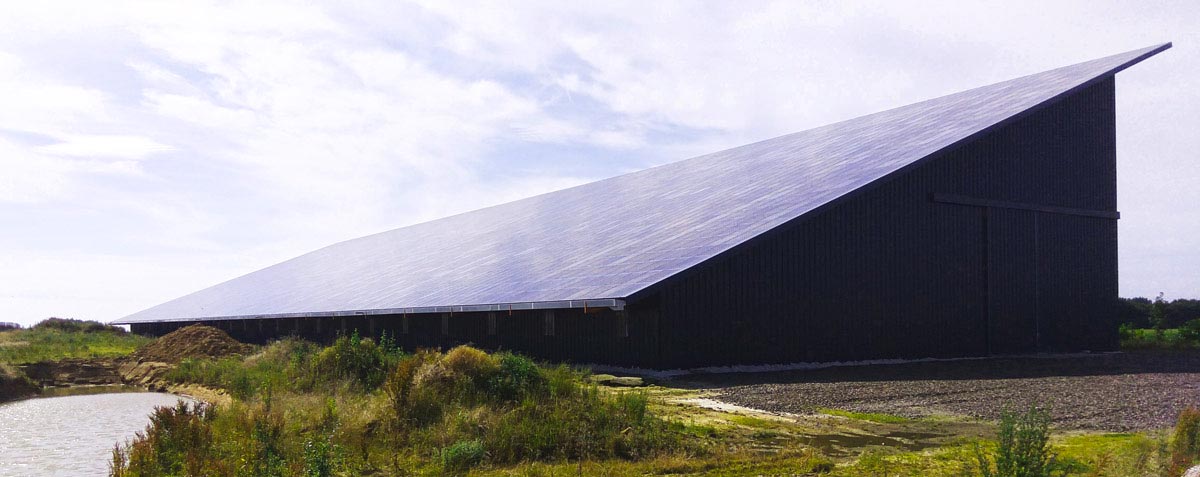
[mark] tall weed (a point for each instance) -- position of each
(1185, 443)
(1022, 448)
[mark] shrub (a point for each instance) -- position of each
(266, 446)
(471, 364)
(1022, 448)
(409, 403)
(78, 326)
(434, 408)
(462, 456)
(1158, 314)
(1190, 331)
(320, 456)
(356, 359)
(1185, 444)
(519, 411)
(518, 376)
(176, 442)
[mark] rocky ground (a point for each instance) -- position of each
(1110, 392)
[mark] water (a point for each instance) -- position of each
(71, 435)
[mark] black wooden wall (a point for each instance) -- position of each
(1005, 244)
(592, 336)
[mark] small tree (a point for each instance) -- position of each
(1158, 315)
(1022, 447)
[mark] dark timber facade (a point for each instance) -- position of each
(1004, 242)
(1007, 244)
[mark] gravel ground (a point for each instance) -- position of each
(1112, 392)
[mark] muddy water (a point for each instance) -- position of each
(71, 435)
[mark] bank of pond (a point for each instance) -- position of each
(366, 407)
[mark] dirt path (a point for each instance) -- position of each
(1111, 392)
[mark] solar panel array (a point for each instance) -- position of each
(614, 237)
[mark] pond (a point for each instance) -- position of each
(74, 434)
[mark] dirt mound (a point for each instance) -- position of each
(195, 341)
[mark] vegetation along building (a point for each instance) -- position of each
(979, 223)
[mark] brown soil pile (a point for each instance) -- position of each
(195, 341)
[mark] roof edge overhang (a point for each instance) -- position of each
(611, 303)
(685, 272)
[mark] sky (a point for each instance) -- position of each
(148, 150)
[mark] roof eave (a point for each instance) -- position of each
(611, 303)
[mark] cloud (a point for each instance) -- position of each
(249, 132)
(118, 146)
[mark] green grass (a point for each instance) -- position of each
(356, 407)
(1115, 454)
(1151, 339)
(1184, 337)
(304, 409)
(753, 422)
(865, 416)
(50, 344)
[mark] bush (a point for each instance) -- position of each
(520, 411)
(78, 326)
(455, 411)
(320, 456)
(471, 364)
(1190, 331)
(1185, 444)
(1150, 339)
(518, 377)
(1022, 448)
(462, 456)
(356, 359)
(1158, 313)
(293, 365)
(176, 442)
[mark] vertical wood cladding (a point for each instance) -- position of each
(889, 273)
(597, 335)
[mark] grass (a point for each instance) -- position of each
(865, 416)
(1152, 339)
(304, 409)
(47, 343)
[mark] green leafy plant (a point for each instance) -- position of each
(320, 456)
(1158, 314)
(1185, 443)
(462, 456)
(1190, 330)
(1022, 447)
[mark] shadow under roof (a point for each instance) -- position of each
(612, 238)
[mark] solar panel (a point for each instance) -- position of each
(612, 238)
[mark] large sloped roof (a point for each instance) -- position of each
(612, 238)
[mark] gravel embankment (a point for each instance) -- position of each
(1113, 392)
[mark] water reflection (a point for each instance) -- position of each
(71, 435)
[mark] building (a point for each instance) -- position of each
(979, 223)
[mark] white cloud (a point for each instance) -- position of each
(250, 132)
(34, 104)
(95, 145)
(28, 178)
